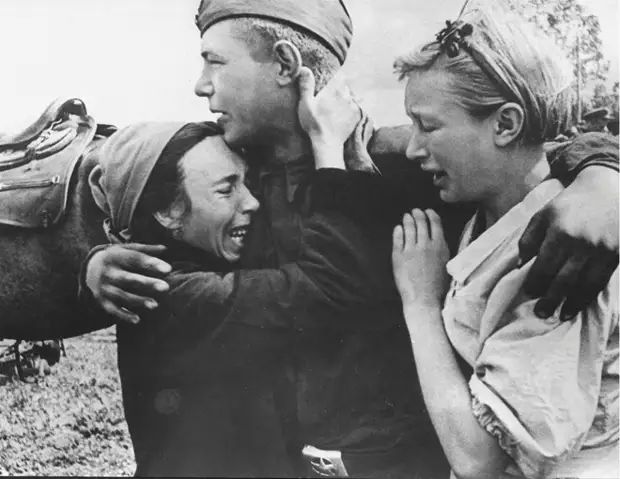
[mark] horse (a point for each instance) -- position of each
(49, 222)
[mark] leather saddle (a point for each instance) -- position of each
(36, 164)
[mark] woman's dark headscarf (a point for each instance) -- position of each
(126, 162)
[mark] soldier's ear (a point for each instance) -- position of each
(289, 59)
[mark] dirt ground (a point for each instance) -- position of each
(70, 422)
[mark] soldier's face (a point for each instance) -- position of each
(597, 124)
(240, 88)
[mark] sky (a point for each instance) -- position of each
(137, 60)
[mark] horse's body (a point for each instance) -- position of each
(39, 267)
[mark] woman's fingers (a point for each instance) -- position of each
(410, 231)
(418, 228)
(138, 259)
(419, 264)
(421, 225)
(306, 84)
(135, 283)
(398, 237)
(146, 248)
(434, 223)
(121, 314)
(124, 299)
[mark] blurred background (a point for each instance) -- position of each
(133, 60)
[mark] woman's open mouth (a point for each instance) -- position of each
(438, 177)
(237, 234)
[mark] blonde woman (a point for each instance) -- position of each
(538, 398)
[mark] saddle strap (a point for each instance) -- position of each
(54, 111)
(39, 190)
(56, 137)
(18, 184)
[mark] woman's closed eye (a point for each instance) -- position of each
(423, 125)
(228, 185)
(226, 190)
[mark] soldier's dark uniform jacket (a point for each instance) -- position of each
(309, 346)
(348, 374)
(236, 370)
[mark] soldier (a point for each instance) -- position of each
(596, 120)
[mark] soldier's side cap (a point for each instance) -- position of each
(602, 113)
(328, 20)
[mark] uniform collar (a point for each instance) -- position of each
(295, 172)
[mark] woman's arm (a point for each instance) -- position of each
(338, 269)
(419, 257)
(328, 117)
(123, 280)
(471, 451)
(534, 395)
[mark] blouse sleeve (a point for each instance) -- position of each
(536, 383)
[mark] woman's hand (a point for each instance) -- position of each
(124, 279)
(329, 117)
(419, 257)
(576, 239)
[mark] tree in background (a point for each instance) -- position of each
(577, 33)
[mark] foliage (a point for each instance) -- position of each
(568, 22)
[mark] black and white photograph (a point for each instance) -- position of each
(303, 239)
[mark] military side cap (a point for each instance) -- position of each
(328, 20)
(598, 113)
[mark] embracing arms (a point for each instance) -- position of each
(575, 238)
(337, 268)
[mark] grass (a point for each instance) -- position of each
(70, 422)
